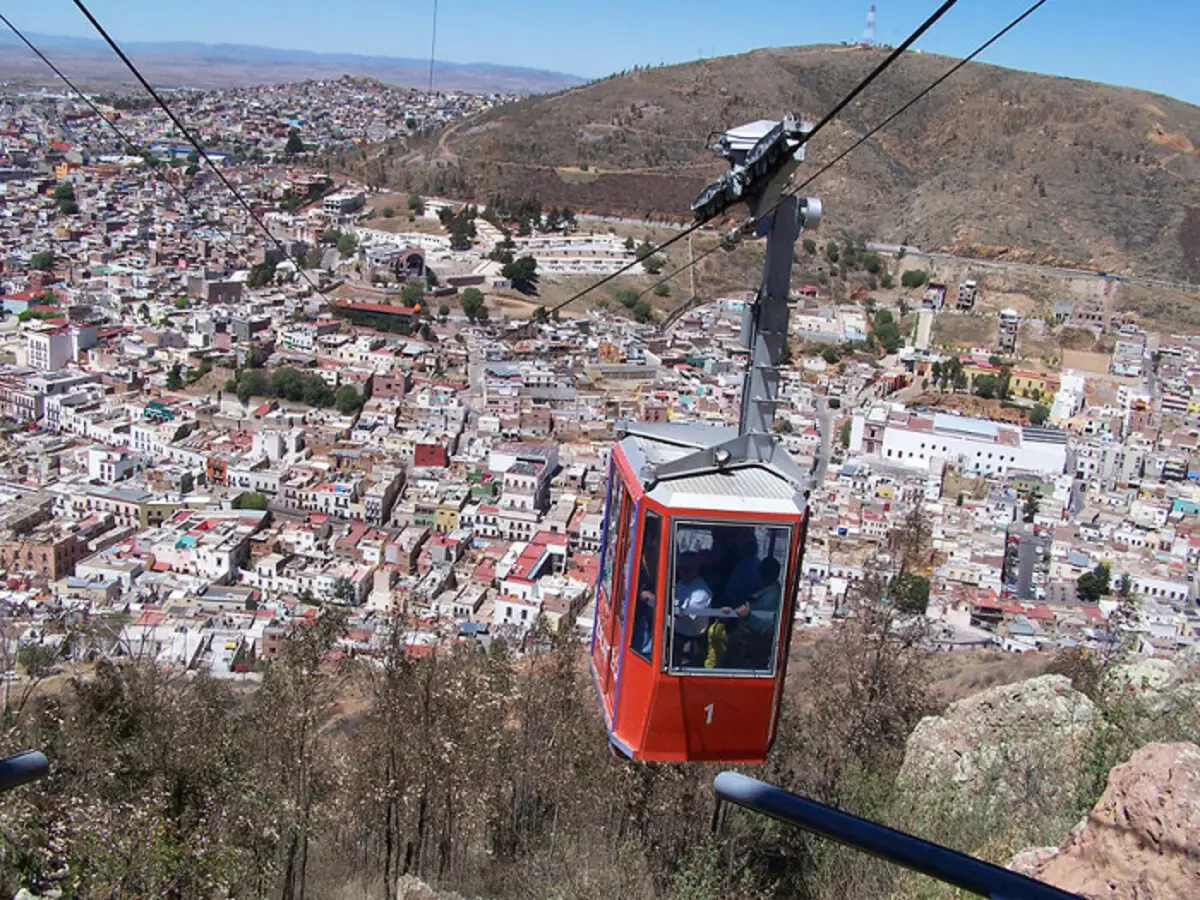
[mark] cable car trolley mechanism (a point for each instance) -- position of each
(704, 526)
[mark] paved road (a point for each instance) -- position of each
(1031, 269)
(825, 426)
(924, 327)
(1028, 554)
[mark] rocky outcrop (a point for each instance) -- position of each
(1161, 688)
(1141, 841)
(1004, 744)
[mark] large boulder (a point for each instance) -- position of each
(1141, 841)
(1160, 689)
(1006, 745)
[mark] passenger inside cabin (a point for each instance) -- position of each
(693, 597)
(741, 564)
(758, 619)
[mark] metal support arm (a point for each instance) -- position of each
(942, 863)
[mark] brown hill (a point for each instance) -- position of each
(995, 161)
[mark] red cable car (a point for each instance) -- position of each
(699, 677)
(704, 526)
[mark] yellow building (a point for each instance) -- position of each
(1028, 383)
(1021, 383)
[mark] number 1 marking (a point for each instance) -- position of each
(708, 713)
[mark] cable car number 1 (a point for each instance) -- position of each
(708, 713)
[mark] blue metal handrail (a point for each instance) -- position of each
(22, 768)
(934, 860)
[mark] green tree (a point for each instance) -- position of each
(662, 290)
(346, 244)
(175, 377)
(1095, 584)
(261, 274)
(830, 355)
(886, 281)
(654, 264)
(416, 205)
(1039, 415)
(250, 500)
(317, 392)
(412, 293)
(287, 383)
(832, 251)
(627, 297)
(43, 260)
(38, 660)
(443, 310)
(294, 144)
(522, 273)
(348, 400)
(844, 435)
(810, 246)
(343, 590)
(910, 592)
(252, 383)
(872, 263)
(985, 386)
(389, 212)
(1031, 506)
(472, 303)
(913, 278)
(643, 312)
(1004, 383)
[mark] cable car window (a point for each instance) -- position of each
(626, 541)
(726, 596)
(642, 640)
(616, 494)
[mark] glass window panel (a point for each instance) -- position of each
(627, 542)
(616, 494)
(726, 596)
(644, 601)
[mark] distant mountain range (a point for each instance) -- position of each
(189, 64)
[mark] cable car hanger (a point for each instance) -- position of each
(762, 157)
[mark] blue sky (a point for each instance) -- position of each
(1149, 45)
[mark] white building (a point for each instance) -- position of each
(49, 351)
(112, 465)
(342, 204)
(977, 446)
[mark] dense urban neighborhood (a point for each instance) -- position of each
(210, 436)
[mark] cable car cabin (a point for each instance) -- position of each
(694, 604)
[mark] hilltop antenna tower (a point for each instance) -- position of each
(868, 38)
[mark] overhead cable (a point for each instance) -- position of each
(825, 120)
(186, 132)
(793, 191)
(129, 143)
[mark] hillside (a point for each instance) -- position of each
(994, 162)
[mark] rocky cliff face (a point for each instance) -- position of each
(1011, 744)
(1142, 839)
